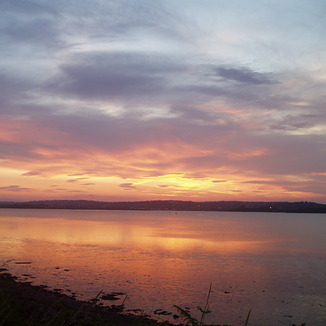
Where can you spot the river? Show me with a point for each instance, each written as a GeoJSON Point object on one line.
{"type": "Point", "coordinates": [270, 263]}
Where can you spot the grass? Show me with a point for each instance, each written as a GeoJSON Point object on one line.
{"type": "Point", "coordinates": [192, 321]}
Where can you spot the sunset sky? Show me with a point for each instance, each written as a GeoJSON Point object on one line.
{"type": "Point", "coordinates": [163, 99]}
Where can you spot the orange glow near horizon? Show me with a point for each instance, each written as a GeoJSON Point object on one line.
{"type": "Point", "coordinates": [160, 171]}
{"type": "Point", "coordinates": [23, 185]}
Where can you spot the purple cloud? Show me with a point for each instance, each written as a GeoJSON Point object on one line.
{"type": "Point", "coordinates": [243, 75]}
{"type": "Point", "coordinates": [128, 186]}
{"type": "Point", "coordinates": [16, 188]}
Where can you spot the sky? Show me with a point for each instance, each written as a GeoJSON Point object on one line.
{"type": "Point", "coordinates": [201, 100]}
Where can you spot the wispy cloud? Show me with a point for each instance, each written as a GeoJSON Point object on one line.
{"type": "Point", "coordinates": [15, 188]}
{"type": "Point", "coordinates": [128, 186]}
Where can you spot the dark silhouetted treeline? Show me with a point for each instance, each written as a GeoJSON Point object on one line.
{"type": "Point", "coordinates": [174, 205]}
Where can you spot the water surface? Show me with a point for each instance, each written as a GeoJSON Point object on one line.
{"type": "Point", "coordinates": [272, 263]}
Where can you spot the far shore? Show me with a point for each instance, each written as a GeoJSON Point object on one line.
{"type": "Point", "coordinates": [173, 205]}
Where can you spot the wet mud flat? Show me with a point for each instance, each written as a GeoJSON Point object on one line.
{"type": "Point", "coordinates": [22, 303]}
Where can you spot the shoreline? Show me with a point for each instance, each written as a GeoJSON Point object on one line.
{"type": "Point", "coordinates": [23, 303]}
{"type": "Point", "coordinates": [173, 205]}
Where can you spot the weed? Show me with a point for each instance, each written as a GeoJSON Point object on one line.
{"type": "Point", "coordinates": [190, 320]}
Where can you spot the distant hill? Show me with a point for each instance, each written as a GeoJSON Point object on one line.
{"type": "Point", "coordinates": [174, 205]}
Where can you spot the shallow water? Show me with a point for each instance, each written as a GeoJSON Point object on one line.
{"type": "Point", "coordinates": [272, 263]}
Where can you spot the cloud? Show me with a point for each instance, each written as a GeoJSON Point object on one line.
{"type": "Point", "coordinates": [297, 122]}
{"type": "Point", "coordinates": [31, 173]}
{"type": "Point", "coordinates": [123, 77]}
{"type": "Point", "coordinates": [135, 79]}
{"type": "Point", "coordinates": [38, 31]}
{"type": "Point", "coordinates": [16, 188]}
{"type": "Point", "coordinates": [76, 180]}
{"type": "Point", "coordinates": [142, 89]}
{"type": "Point", "coordinates": [12, 87]}
{"type": "Point", "coordinates": [194, 141]}
{"type": "Point", "coordinates": [10, 150]}
{"type": "Point", "coordinates": [308, 184]}
{"type": "Point", "coordinates": [25, 8]}
{"type": "Point", "coordinates": [128, 186]}
{"type": "Point", "coordinates": [243, 75]}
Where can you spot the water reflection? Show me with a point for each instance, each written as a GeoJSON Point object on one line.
{"type": "Point", "coordinates": [167, 231]}
{"type": "Point", "coordinates": [163, 258]}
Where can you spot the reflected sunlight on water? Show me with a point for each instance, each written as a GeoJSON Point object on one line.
{"type": "Point", "coordinates": [271, 263]}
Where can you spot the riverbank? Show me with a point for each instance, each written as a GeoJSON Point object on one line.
{"type": "Point", "coordinates": [22, 303]}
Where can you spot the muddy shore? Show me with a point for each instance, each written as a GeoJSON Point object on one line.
{"type": "Point", "coordinates": [22, 303]}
